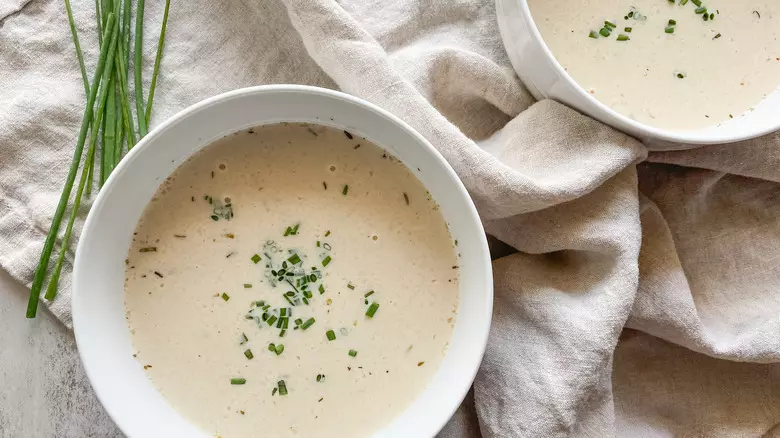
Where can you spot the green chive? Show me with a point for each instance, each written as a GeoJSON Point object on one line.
{"type": "Point", "coordinates": [307, 324]}
{"type": "Point", "coordinates": [237, 381]}
{"type": "Point", "coordinates": [225, 296]}
{"type": "Point", "coordinates": [282, 387]}
{"type": "Point", "coordinates": [326, 261]}
{"type": "Point", "coordinates": [294, 259]}
{"type": "Point", "coordinates": [353, 353]}
{"type": "Point", "coordinates": [248, 354]}
{"type": "Point", "coordinates": [273, 392]}
{"type": "Point", "coordinates": [279, 349]}
{"type": "Point", "coordinates": [345, 190]}
{"type": "Point", "coordinates": [628, 29]}
{"type": "Point", "coordinates": [331, 335]}
{"type": "Point", "coordinates": [255, 259]}
{"type": "Point", "coordinates": [680, 75]}
{"type": "Point", "coordinates": [271, 320]}
{"type": "Point", "coordinates": [701, 10]}
{"type": "Point", "coordinates": [669, 29]}
{"type": "Point", "coordinates": [369, 293]}
{"type": "Point", "coordinates": [138, 67]}
{"type": "Point", "coordinates": [672, 22]}
{"type": "Point", "coordinates": [349, 285]}
{"type": "Point", "coordinates": [593, 34]}
{"type": "Point", "coordinates": [247, 285]}
{"type": "Point", "coordinates": [320, 377]}
{"type": "Point", "coordinates": [696, 2]}
{"type": "Point", "coordinates": [604, 32]}
{"type": "Point", "coordinates": [372, 309]}
{"type": "Point", "coordinates": [610, 24]}
{"type": "Point", "coordinates": [244, 339]}
{"type": "Point", "coordinates": [157, 60]}
{"type": "Point", "coordinates": [683, 2]}
{"type": "Point", "coordinates": [622, 37]}
{"type": "Point", "coordinates": [322, 289]}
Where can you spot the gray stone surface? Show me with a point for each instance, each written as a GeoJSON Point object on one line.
{"type": "Point", "coordinates": [43, 389]}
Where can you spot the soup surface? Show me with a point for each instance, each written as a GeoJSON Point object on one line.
{"type": "Point", "coordinates": [291, 280]}
{"type": "Point", "coordinates": [662, 64]}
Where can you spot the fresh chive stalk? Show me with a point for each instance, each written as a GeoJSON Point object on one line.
{"type": "Point", "coordinates": [157, 60]}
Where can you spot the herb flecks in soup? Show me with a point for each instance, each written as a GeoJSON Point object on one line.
{"type": "Point", "coordinates": [286, 276]}
{"type": "Point", "coordinates": [672, 64]}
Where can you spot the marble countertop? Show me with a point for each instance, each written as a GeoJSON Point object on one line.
{"type": "Point", "coordinates": [45, 392]}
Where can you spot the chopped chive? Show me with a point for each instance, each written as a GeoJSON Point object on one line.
{"type": "Point", "coordinates": [604, 32]}
{"type": "Point", "coordinates": [623, 37]}
{"type": "Point", "coordinates": [628, 29]}
{"type": "Point", "coordinates": [700, 10]}
{"type": "Point", "coordinates": [331, 335]}
{"type": "Point", "coordinates": [271, 320]}
{"type": "Point", "coordinates": [273, 392]}
{"type": "Point", "coordinates": [353, 353]}
{"type": "Point", "coordinates": [309, 322]}
{"type": "Point", "coordinates": [705, 17]}
{"type": "Point", "coordinates": [282, 387]}
{"type": "Point", "coordinates": [322, 289]}
{"type": "Point", "coordinates": [244, 339]}
{"type": "Point", "coordinates": [327, 233]}
{"type": "Point", "coordinates": [669, 29]}
{"type": "Point", "coordinates": [247, 285]}
{"type": "Point", "coordinates": [683, 2]}
{"type": "Point", "coordinates": [345, 189]}
{"type": "Point", "coordinates": [298, 321]}
{"type": "Point", "coordinates": [282, 332]}
{"type": "Point", "coordinates": [372, 309]}
{"type": "Point", "coordinates": [148, 249]}
{"type": "Point", "coordinates": [320, 377]}
{"type": "Point", "coordinates": [592, 34]}
{"type": "Point", "coordinates": [294, 259]}
{"type": "Point", "coordinates": [248, 354]}
{"type": "Point", "coordinates": [672, 22]}
{"type": "Point", "coordinates": [696, 2]}
{"type": "Point", "coordinates": [680, 75]}
{"type": "Point", "coordinates": [237, 381]}
{"type": "Point", "coordinates": [351, 286]}
{"type": "Point", "coordinates": [279, 349]}
{"type": "Point", "coordinates": [318, 244]}
{"type": "Point", "coordinates": [326, 261]}
{"type": "Point", "coordinates": [610, 24]}
{"type": "Point", "coordinates": [255, 259]}
{"type": "Point", "coordinates": [225, 296]}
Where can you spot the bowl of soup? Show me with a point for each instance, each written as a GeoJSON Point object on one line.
{"type": "Point", "coordinates": [673, 73]}
{"type": "Point", "coordinates": [282, 261]}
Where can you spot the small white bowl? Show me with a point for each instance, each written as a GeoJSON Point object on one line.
{"type": "Point", "coordinates": [99, 322]}
{"type": "Point", "coordinates": [545, 78]}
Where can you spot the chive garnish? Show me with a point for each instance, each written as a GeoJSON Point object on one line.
{"type": "Point", "coordinates": [592, 34]}
{"type": "Point", "coordinates": [309, 322]}
{"type": "Point", "coordinates": [148, 249]}
{"type": "Point", "coordinates": [271, 320]}
{"type": "Point", "coordinates": [244, 339]}
{"type": "Point", "coordinates": [247, 285]}
{"type": "Point", "coordinates": [683, 2]}
{"type": "Point", "coordinates": [326, 261]}
{"type": "Point", "coordinates": [672, 22]}
{"type": "Point", "coordinates": [680, 75]}
{"type": "Point", "coordinates": [669, 29]}
{"type": "Point", "coordinates": [282, 387]}
{"type": "Point", "coordinates": [623, 37]}
{"type": "Point", "coordinates": [696, 2]}
{"type": "Point", "coordinates": [369, 293]}
{"type": "Point", "coordinates": [604, 32]}
{"type": "Point", "coordinates": [327, 233]}
{"type": "Point", "coordinates": [331, 335]}
{"type": "Point", "coordinates": [701, 10]}
{"type": "Point", "coordinates": [628, 29]}
{"type": "Point", "coordinates": [248, 354]}
{"type": "Point", "coordinates": [322, 289]}
{"type": "Point", "coordinates": [345, 190]}
{"type": "Point", "coordinates": [256, 259]}
{"type": "Point", "coordinates": [294, 259]}
{"type": "Point", "coordinates": [372, 309]}
{"type": "Point", "coordinates": [273, 392]}
{"type": "Point", "coordinates": [610, 24]}
{"type": "Point", "coordinates": [353, 353]}
{"type": "Point", "coordinates": [225, 296]}
{"type": "Point", "coordinates": [351, 286]}
{"type": "Point", "coordinates": [320, 377]}
{"type": "Point", "coordinates": [237, 381]}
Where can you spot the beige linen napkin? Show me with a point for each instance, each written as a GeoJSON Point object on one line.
{"type": "Point", "coordinates": [683, 249]}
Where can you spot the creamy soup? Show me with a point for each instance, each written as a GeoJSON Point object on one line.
{"type": "Point", "coordinates": [291, 280]}
{"type": "Point", "coordinates": [659, 62]}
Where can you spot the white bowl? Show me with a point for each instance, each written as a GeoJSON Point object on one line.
{"type": "Point", "coordinates": [545, 78]}
{"type": "Point", "coordinates": [99, 322]}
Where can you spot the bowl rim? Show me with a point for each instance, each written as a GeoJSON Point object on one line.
{"type": "Point", "coordinates": [485, 264]}
{"type": "Point", "coordinates": [651, 132]}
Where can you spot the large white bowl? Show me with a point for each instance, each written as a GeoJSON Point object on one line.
{"type": "Point", "coordinates": [545, 78]}
{"type": "Point", "coordinates": [102, 332]}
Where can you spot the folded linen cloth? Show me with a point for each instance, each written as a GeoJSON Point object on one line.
{"type": "Point", "coordinates": [636, 294]}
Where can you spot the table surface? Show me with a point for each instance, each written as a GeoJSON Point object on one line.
{"type": "Point", "coordinates": [43, 389]}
